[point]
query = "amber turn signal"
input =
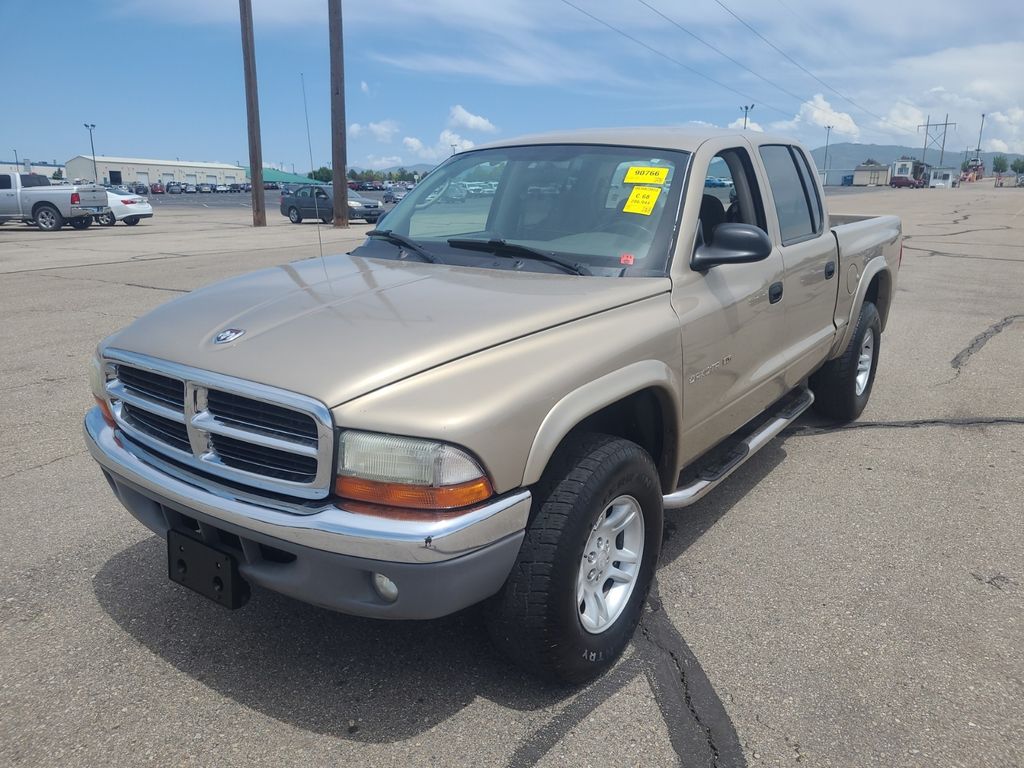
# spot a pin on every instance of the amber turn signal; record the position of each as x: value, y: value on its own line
x: 414, y: 496
x: 105, y: 410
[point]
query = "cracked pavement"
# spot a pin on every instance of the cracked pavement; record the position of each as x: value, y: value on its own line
x: 849, y: 597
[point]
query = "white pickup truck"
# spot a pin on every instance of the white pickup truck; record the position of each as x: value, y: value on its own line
x: 29, y: 197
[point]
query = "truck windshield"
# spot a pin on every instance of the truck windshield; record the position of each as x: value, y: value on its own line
x: 611, y: 210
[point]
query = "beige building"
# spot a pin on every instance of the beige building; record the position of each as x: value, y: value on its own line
x: 128, y: 170
x: 43, y: 168
x: 871, y: 175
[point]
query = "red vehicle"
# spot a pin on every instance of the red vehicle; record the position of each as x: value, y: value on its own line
x: 906, y: 181
x: 156, y: 188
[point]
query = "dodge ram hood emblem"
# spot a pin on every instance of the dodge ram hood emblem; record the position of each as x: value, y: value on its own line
x: 228, y: 334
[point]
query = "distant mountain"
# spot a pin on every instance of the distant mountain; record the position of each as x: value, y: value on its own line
x: 420, y: 168
x: 846, y: 156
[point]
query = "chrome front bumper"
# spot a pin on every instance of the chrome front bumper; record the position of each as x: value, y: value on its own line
x: 328, y: 528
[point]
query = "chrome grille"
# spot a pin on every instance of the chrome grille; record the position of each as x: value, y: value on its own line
x: 249, y: 433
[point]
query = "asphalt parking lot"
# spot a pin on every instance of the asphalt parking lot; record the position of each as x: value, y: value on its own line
x: 850, y: 597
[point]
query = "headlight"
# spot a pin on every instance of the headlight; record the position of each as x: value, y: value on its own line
x: 407, y: 472
x: 353, y: 204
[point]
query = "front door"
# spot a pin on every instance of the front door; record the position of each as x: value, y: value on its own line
x: 729, y: 314
x: 9, y: 205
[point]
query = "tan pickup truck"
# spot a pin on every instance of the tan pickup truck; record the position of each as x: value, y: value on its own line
x: 496, y: 396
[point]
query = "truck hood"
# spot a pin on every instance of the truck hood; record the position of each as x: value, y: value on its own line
x: 341, y: 327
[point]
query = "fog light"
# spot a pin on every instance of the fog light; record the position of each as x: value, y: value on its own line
x: 385, y: 587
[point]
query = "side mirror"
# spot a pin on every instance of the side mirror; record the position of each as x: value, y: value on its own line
x: 732, y: 244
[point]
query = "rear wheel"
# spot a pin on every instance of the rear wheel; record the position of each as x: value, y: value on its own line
x: 131, y: 221
x: 107, y: 219
x: 294, y: 216
x: 842, y: 386
x: 48, y: 218
x: 576, y: 591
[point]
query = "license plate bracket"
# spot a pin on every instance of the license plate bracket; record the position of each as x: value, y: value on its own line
x: 206, y: 570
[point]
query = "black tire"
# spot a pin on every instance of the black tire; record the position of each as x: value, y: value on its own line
x: 81, y: 222
x: 535, y: 619
x: 835, y: 383
x: 294, y: 216
x: 48, y: 218
x: 372, y: 220
x: 107, y: 219
x: 131, y: 221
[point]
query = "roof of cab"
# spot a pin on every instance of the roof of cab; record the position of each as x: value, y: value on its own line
x: 684, y: 138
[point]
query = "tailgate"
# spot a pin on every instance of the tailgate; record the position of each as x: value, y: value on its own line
x: 92, y: 197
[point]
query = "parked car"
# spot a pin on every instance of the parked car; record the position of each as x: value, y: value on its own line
x: 906, y: 181
x: 308, y: 202
x: 448, y: 416
x: 129, y: 208
x: 394, y: 194
x: 140, y: 188
x: 189, y: 189
x: 271, y: 185
x: 234, y: 187
x: 714, y: 181
x: 119, y: 188
x: 174, y: 188
x: 156, y: 188
x: 221, y: 188
x: 204, y: 188
x: 31, y: 198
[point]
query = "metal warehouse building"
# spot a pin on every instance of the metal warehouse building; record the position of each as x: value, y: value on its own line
x: 125, y: 170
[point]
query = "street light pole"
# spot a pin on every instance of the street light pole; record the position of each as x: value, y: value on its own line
x: 16, y: 163
x: 92, y: 146
x: 746, y: 108
x: 828, y: 133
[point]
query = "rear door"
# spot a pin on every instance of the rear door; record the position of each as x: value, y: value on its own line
x: 809, y: 254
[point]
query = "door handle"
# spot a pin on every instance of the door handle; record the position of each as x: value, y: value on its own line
x: 830, y: 269
x: 774, y: 293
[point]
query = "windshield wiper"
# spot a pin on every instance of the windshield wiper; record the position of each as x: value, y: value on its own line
x: 405, y: 242
x: 503, y: 247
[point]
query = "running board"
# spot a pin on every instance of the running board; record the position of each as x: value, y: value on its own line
x: 732, y: 454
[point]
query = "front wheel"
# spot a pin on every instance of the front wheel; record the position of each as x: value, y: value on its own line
x: 842, y: 386
x: 576, y: 591
x: 294, y: 216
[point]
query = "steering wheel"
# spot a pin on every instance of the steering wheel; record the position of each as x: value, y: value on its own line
x: 626, y: 228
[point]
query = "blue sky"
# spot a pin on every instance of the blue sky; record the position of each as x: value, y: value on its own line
x: 164, y: 79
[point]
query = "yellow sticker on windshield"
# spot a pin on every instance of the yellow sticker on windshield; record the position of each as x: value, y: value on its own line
x: 641, y: 200
x: 644, y: 174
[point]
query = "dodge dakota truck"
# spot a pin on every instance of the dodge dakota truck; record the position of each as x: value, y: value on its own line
x: 495, y: 402
x: 29, y: 197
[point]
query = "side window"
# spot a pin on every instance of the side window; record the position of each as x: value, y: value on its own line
x: 807, y: 176
x: 731, y: 194
x: 303, y: 194
x: 5, y: 181
x: 791, y: 203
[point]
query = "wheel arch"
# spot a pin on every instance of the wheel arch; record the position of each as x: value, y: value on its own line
x: 875, y: 285
x: 636, y: 403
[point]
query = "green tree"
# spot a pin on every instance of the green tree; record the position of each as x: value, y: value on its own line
x: 1000, y: 164
x: 57, y: 174
x: 323, y: 173
x: 1017, y: 166
x: 964, y: 166
x: 871, y: 161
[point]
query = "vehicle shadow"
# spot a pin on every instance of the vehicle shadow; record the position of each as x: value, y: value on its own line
x: 381, y: 682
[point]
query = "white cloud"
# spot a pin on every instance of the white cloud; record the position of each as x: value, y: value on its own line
x: 364, y: 86
x: 382, y: 131
x: 751, y: 125
x: 460, y: 117
x: 373, y: 162
x: 447, y: 141
x: 819, y: 112
x: 997, y: 145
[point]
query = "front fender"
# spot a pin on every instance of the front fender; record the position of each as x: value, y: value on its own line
x: 591, y: 398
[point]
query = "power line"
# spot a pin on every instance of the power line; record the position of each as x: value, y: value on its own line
x: 673, y: 60
x: 804, y: 69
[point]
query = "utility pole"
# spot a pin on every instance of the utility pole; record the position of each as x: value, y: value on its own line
x: 16, y: 160
x: 252, y: 109
x: 828, y: 133
x: 746, y: 109
x: 95, y: 174
x: 932, y: 140
x: 338, y: 135
x: 977, y: 154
